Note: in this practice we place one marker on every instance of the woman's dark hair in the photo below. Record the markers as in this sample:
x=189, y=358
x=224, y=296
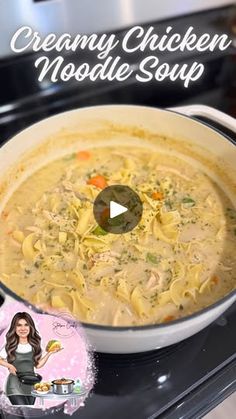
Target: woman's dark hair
x=12, y=338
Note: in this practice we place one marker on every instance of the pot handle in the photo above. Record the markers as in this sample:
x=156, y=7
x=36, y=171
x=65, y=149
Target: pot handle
x=207, y=112
x=5, y=297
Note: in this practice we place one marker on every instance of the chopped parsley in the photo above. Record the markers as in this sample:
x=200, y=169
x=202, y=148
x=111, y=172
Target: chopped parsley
x=188, y=201
x=98, y=231
x=69, y=157
x=27, y=271
x=169, y=204
x=231, y=213
x=37, y=264
x=152, y=258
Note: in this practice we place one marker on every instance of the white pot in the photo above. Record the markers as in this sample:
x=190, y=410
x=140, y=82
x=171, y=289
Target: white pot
x=165, y=122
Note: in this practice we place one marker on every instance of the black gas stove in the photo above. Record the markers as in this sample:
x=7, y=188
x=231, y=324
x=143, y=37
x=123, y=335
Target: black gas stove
x=182, y=381
x=188, y=379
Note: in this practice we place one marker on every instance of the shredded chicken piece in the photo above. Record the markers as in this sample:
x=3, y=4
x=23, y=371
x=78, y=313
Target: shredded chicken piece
x=105, y=256
x=83, y=198
x=16, y=243
x=128, y=311
x=153, y=281
x=175, y=171
x=34, y=229
x=115, y=321
x=225, y=268
x=156, y=280
x=67, y=185
x=56, y=219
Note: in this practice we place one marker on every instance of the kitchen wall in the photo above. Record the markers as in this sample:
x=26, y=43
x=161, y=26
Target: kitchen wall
x=86, y=16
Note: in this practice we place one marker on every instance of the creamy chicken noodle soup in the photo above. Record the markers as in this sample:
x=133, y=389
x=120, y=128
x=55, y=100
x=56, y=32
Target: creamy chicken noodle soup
x=179, y=259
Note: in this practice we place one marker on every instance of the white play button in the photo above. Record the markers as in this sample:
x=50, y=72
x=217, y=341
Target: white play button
x=116, y=209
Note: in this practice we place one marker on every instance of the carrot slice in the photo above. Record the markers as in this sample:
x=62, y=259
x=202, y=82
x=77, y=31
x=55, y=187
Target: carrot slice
x=215, y=279
x=5, y=214
x=83, y=155
x=157, y=196
x=168, y=319
x=105, y=214
x=99, y=181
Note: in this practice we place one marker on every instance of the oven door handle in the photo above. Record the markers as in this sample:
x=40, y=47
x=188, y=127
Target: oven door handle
x=207, y=112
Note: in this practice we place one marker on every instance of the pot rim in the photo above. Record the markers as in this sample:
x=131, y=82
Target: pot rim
x=85, y=108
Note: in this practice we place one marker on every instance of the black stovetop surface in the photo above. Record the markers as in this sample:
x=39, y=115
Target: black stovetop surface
x=183, y=380
x=190, y=378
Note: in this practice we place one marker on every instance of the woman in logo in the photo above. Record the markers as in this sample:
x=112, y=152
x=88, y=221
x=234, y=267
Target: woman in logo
x=22, y=354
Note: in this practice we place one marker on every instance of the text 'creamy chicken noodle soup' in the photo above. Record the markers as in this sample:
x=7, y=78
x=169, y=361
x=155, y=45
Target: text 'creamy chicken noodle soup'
x=178, y=259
